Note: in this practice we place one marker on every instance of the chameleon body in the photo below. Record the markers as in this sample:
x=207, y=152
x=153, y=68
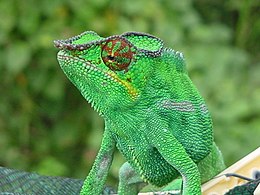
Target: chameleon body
x=153, y=113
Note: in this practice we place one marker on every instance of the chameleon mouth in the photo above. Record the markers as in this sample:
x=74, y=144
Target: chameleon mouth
x=88, y=67
x=62, y=56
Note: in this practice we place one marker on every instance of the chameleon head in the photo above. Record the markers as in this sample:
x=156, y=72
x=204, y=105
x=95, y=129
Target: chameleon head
x=109, y=72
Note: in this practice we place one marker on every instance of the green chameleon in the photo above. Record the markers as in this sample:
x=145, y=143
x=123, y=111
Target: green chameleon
x=153, y=113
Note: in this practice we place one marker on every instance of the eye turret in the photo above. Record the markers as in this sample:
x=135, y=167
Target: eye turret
x=117, y=53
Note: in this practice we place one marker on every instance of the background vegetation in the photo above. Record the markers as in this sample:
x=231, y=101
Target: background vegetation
x=45, y=124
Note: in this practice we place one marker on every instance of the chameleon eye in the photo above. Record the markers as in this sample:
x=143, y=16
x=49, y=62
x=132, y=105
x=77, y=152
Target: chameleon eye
x=117, y=53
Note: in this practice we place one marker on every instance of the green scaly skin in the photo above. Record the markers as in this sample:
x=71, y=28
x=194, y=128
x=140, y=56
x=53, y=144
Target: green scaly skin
x=153, y=113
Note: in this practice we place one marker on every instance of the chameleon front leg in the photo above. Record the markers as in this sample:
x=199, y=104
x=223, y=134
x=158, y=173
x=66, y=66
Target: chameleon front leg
x=94, y=183
x=175, y=154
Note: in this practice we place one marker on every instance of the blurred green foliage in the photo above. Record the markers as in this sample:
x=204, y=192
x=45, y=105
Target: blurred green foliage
x=45, y=124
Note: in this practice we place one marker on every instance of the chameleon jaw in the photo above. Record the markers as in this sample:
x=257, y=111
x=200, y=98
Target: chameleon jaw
x=108, y=75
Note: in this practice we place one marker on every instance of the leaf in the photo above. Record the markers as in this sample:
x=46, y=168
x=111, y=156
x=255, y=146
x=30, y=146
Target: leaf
x=17, y=57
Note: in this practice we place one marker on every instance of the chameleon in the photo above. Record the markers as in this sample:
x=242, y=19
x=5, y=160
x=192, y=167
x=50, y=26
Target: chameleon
x=153, y=113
